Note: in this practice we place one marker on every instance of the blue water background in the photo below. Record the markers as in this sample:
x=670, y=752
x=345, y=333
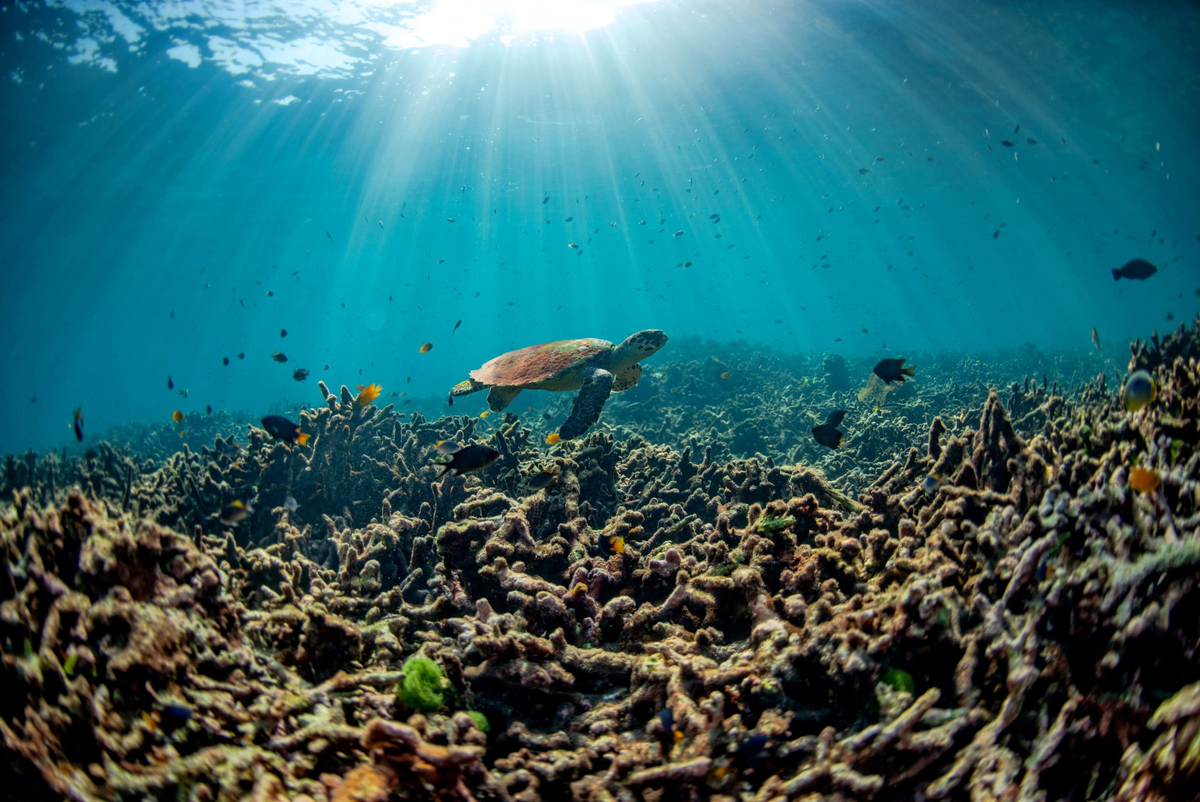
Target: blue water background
x=140, y=188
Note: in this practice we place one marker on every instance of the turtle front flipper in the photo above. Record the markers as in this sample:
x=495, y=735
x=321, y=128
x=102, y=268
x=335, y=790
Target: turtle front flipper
x=467, y=387
x=500, y=397
x=627, y=378
x=588, y=404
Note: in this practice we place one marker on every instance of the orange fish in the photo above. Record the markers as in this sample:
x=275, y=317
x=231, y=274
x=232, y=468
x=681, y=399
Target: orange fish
x=426, y=348
x=726, y=375
x=177, y=416
x=1096, y=339
x=552, y=438
x=367, y=394
x=1144, y=481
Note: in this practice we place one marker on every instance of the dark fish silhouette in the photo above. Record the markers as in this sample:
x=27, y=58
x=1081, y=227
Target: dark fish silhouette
x=300, y=374
x=79, y=424
x=279, y=357
x=1138, y=269
x=893, y=370
x=283, y=429
x=467, y=460
x=827, y=433
x=542, y=479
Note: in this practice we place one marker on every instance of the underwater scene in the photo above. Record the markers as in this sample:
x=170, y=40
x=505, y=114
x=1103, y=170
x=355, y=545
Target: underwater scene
x=600, y=400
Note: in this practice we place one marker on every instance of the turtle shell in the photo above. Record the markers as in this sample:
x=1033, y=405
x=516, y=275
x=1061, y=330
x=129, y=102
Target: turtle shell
x=540, y=362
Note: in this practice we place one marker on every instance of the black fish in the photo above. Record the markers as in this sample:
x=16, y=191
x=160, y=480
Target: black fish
x=752, y=750
x=668, y=736
x=300, y=374
x=172, y=717
x=469, y=459
x=543, y=478
x=208, y=408
x=282, y=333
x=278, y=356
x=1138, y=269
x=283, y=429
x=235, y=512
x=79, y=424
x=827, y=433
x=456, y=325
x=893, y=370
x=171, y=384
x=225, y=361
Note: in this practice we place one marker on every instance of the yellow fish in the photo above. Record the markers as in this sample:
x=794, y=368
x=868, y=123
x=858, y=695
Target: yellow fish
x=367, y=394
x=484, y=414
x=426, y=348
x=552, y=438
x=1144, y=481
x=177, y=416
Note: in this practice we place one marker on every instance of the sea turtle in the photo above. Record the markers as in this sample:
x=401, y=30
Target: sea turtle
x=594, y=367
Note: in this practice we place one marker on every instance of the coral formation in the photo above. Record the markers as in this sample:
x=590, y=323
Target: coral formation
x=703, y=603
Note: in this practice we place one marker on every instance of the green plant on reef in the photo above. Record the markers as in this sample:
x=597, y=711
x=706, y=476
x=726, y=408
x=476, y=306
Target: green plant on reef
x=773, y=526
x=423, y=684
x=480, y=720
x=899, y=679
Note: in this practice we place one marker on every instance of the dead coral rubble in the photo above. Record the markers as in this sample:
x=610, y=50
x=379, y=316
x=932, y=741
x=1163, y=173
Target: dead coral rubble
x=657, y=621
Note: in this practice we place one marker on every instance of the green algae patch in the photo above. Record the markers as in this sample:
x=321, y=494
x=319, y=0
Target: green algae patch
x=422, y=686
x=899, y=679
x=480, y=720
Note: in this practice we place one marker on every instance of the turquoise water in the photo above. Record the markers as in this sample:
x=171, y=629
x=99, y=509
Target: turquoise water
x=183, y=181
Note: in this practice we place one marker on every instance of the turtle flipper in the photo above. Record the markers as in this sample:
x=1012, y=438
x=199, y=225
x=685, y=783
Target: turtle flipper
x=500, y=397
x=467, y=387
x=588, y=404
x=627, y=378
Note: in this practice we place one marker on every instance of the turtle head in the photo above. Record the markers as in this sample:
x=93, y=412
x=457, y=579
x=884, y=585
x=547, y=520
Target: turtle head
x=637, y=347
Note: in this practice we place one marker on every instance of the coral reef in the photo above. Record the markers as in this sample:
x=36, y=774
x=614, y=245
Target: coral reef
x=968, y=600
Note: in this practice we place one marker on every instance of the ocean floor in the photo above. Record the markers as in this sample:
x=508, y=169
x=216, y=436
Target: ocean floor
x=968, y=599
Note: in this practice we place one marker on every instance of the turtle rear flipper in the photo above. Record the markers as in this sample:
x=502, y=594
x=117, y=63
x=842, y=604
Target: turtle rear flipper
x=588, y=404
x=500, y=397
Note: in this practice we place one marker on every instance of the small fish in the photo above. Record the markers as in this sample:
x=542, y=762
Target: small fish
x=79, y=424
x=468, y=460
x=290, y=503
x=329, y=235
x=1138, y=269
x=426, y=348
x=552, y=438
x=615, y=544
x=231, y=448
x=891, y=370
x=1140, y=390
x=170, y=384
x=726, y=375
x=279, y=357
x=367, y=394
x=572, y=245
x=208, y=409
x=242, y=355
x=169, y=719
x=283, y=429
x=446, y=447
x=1144, y=481
x=177, y=416
x=299, y=374
x=1096, y=339
x=543, y=479
x=827, y=433
x=183, y=434
x=182, y=393
x=669, y=735
x=235, y=512
x=456, y=325
x=282, y=333
x=931, y=485
x=485, y=413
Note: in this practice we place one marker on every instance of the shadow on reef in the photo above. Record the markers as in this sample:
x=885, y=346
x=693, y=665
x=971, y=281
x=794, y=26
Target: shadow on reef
x=661, y=619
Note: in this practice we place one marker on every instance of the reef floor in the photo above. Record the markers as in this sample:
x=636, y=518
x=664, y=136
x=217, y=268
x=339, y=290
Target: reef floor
x=968, y=600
